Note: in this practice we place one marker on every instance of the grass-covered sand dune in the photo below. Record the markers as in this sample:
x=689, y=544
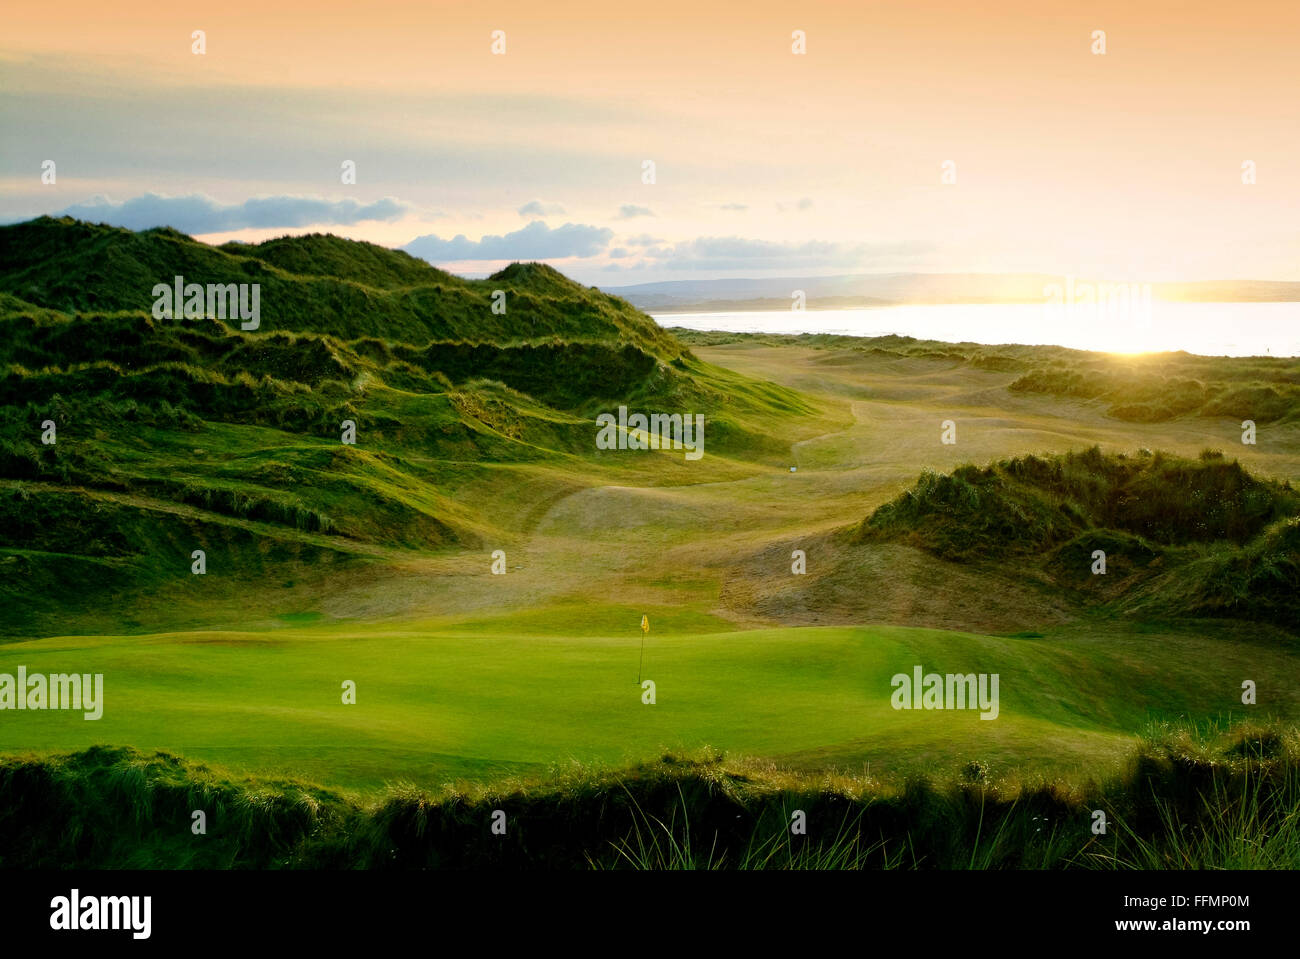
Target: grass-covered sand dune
x=475, y=432
x=191, y=433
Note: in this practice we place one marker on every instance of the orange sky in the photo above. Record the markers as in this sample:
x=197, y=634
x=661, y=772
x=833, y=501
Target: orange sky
x=1127, y=163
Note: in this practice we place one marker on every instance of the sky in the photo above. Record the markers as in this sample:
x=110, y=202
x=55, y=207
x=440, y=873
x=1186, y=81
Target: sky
x=1129, y=164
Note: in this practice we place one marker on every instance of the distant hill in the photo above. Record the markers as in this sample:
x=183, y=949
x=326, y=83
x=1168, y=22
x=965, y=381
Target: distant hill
x=318, y=254
x=318, y=284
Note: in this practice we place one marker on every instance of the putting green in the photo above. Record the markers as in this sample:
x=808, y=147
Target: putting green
x=436, y=703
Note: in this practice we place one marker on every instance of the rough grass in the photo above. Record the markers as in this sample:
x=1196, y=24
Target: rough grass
x=1187, y=798
x=1031, y=503
x=1200, y=537
x=1166, y=386
x=1149, y=388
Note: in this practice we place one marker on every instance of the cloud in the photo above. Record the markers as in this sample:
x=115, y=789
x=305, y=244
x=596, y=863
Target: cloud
x=643, y=239
x=735, y=206
x=540, y=208
x=536, y=241
x=197, y=213
x=627, y=211
x=734, y=252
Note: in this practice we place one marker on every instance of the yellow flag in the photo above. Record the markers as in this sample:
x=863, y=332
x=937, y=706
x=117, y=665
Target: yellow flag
x=645, y=624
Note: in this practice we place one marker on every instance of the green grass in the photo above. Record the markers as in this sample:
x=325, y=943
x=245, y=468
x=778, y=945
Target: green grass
x=436, y=705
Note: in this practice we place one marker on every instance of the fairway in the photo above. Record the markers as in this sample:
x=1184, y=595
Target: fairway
x=436, y=705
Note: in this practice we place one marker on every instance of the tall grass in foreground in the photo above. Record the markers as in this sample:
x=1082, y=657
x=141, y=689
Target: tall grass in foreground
x=1248, y=821
x=653, y=844
x=1187, y=798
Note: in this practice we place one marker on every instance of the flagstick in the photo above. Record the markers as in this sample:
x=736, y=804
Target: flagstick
x=642, y=663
